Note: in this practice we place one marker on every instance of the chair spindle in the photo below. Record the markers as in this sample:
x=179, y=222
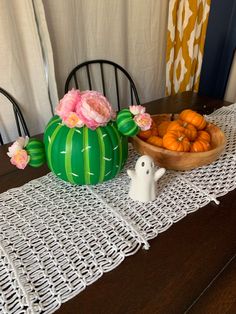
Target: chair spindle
x=76, y=81
x=117, y=89
x=89, y=78
x=131, y=94
x=103, y=81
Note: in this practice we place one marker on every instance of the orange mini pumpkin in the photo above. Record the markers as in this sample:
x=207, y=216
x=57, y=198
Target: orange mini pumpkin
x=176, y=141
x=200, y=146
x=154, y=129
x=194, y=118
x=155, y=140
x=144, y=135
x=201, y=143
x=203, y=135
x=162, y=128
x=187, y=128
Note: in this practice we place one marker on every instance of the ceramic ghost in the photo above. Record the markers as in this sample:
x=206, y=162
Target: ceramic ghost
x=143, y=179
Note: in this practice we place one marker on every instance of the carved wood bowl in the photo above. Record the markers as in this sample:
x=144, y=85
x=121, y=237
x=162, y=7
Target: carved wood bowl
x=182, y=160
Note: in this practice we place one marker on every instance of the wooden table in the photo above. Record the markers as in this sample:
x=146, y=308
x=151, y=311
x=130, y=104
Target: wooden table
x=190, y=268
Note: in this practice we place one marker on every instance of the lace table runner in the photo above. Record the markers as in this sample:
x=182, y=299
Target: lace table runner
x=57, y=238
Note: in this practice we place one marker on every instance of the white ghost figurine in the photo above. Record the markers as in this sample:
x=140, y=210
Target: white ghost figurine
x=143, y=179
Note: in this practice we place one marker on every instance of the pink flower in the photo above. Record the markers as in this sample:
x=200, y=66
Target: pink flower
x=144, y=121
x=72, y=120
x=20, y=159
x=19, y=144
x=68, y=103
x=94, y=109
x=137, y=109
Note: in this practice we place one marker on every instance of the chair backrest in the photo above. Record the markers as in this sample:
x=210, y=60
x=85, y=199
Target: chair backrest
x=19, y=119
x=106, y=71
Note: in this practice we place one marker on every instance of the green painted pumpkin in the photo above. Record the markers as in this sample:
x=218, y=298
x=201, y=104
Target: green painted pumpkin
x=35, y=149
x=126, y=124
x=84, y=156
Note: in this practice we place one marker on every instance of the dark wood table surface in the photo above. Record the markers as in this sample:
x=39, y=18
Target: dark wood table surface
x=190, y=268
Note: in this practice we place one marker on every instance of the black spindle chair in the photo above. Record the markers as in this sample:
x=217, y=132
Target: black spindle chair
x=19, y=119
x=74, y=79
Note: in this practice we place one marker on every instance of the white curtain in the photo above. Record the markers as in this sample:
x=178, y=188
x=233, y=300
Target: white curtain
x=39, y=37
x=22, y=65
x=129, y=32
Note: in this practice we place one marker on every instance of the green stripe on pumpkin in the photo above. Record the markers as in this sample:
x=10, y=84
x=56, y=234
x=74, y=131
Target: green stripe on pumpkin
x=124, y=150
x=34, y=143
x=128, y=126
x=94, y=156
x=68, y=166
x=55, y=119
x=35, y=163
x=115, y=154
x=35, y=157
x=109, y=155
x=77, y=156
x=34, y=150
x=120, y=146
x=51, y=140
x=101, y=154
x=59, y=152
x=123, y=115
x=86, y=156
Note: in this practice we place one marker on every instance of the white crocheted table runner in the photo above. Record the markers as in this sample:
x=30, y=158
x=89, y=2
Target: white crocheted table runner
x=56, y=238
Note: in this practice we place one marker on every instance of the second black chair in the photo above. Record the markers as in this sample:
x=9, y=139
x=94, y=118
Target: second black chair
x=104, y=75
x=19, y=119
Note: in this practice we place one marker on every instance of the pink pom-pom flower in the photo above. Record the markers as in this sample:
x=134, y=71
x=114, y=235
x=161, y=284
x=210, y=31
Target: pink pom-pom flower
x=89, y=108
x=68, y=103
x=72, y=120
x=94, y=109
x=144, y=121
x=20, y=159
x=18, y=155
x=137, y=109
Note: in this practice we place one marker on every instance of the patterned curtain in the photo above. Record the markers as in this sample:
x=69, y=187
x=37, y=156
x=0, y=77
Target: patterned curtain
x=187, y=24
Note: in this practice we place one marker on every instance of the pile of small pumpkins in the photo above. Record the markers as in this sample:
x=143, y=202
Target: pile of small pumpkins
x=188, y=133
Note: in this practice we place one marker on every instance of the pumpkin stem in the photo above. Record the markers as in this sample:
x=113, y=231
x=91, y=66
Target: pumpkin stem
x=180, y=139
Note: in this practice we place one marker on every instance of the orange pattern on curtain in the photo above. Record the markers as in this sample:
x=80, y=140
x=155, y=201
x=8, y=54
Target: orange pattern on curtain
x=187, y=24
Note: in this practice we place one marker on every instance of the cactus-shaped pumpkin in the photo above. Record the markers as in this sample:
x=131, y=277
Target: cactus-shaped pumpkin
x=82, y=142
x=84, y=156
x=126, y=124
x=35, y=149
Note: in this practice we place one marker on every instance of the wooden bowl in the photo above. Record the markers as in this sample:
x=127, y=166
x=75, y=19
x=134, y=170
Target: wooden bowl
x=181, y=160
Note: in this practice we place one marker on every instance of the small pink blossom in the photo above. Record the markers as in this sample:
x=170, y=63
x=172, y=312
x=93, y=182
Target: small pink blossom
x=94, y=109
x=72, y=120
x=20, y=159
x=144, y=121
x=137, y=109
x=19, y=144
x=68, y=103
